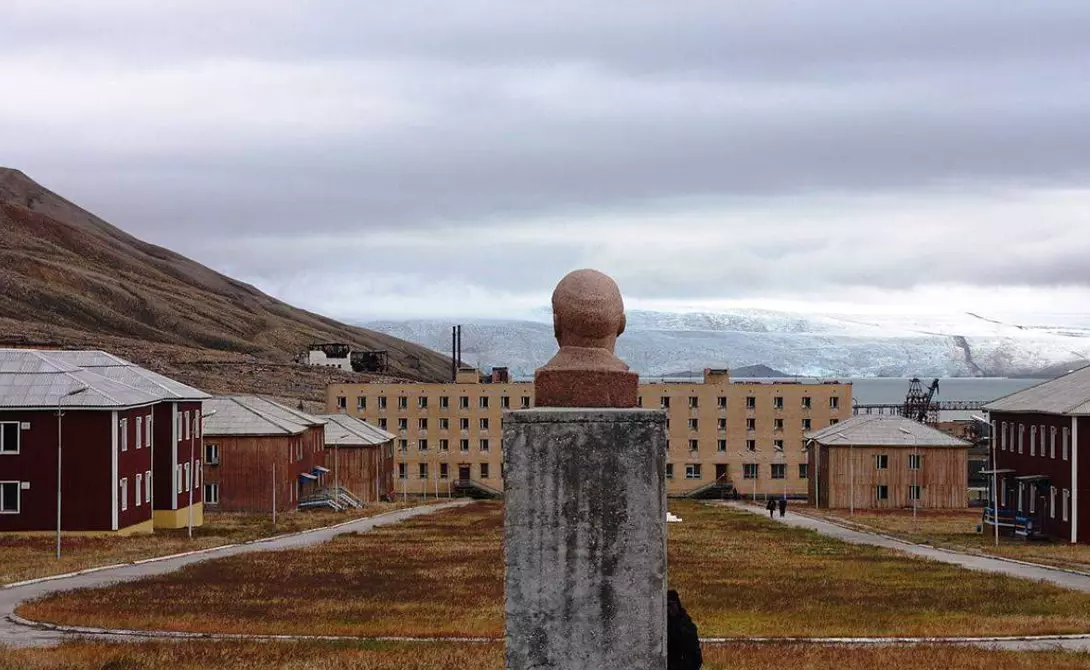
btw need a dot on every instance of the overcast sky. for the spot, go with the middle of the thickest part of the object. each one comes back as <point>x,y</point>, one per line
<point>455,159</point>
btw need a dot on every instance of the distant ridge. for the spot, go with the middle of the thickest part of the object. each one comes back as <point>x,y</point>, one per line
<point>69,279</point>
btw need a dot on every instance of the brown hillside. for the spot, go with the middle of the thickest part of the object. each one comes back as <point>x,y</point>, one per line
<point>69,279</point>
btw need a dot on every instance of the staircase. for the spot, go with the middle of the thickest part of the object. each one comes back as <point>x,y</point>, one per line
<point>475,489</point>
<point>335,498</point>
<point>718,489</point>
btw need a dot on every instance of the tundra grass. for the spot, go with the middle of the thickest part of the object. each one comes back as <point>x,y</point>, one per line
<point>390,656</point>
<point>25,557</point>
<point>957,529</point>
<point>442,575</point>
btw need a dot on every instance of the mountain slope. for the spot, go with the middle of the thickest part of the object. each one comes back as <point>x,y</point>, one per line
<point>68,278</point>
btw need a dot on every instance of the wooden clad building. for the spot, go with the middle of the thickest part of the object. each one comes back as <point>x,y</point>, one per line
<point>361,457</point>
<point>1041,440</point>
<point>259,453</point>
<point>885,462</point>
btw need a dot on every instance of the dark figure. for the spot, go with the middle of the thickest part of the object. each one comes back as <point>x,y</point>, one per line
<point>783,506</point>
<point>771,507</point>
<point>682,641</point>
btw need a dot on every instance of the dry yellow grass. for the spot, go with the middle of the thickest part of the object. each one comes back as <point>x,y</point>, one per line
<point>956,529</point>
<point>442,575</point>
<point>31,557</point>
<point>389,656</point>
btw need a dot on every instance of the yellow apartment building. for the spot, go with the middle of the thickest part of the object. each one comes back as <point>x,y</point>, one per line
<point>747,433</point>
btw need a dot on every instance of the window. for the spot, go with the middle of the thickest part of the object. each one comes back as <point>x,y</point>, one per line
<point>123,493</point>
<point>751,424</point>
<point>806,402</point>
<point>402,402</point>
<point>9,437</point>
<point>444,444</point>
<point>381,402</point>
<point>777,445</point>
<point>212,494</point>
<point>444,471</point>
<point>804,471</point>
<point>361,403</point>
<point>914,493</point>
<point>1033,440</point>
<point>484,471</point>
<point>777,424</point>
<point>1066,442</point>
<point>721,424</point>
<point>524,402</point>
<point>139,489</point>
<point>180,479</point>
<point>1003,438</point>
<point>185,424</point>
<point>505,402</point>
<point>382,423</point>
<point>139,433</point>
<point>881,492</point>
<point>750,470</point>
<point>1021,495</point>
<point>1021,437</point>
<point>9,497</point>
<point>422,423</point>
<point>1052,502</point>
<point>482,402</point>
<point>463,423</point>
<point>751,445</point>
<point>422,402</point>
<point>669,470</point>
<point>422,470</point>
<point>694,445</point>
<point>188,477</point>
<point>694,424</point>
<point>401,471</point>
<point>484,424</point>
<point>178,427</point>
<point>721,402</point>
<point>1033,499</point>
<point>342,402</point>
<point>665,402</point>
<point>463,402</point>
<point>444,423</point>
<point>721,446</point>
<point>403,445</point>
<point>402,423</point>
<point>833,422</point>
<point>123,434</point>
<point>147,431</point>
<point>1066,503</point>
<point>915,461</point>
<point>692,471</point>
<point>1052,443</point>
<point>806,424</point>
<point>197,425</point>
<point>463,446</point>
<point>694,402</point>
<point>777,402</point>
<point>751,402</point>
<point>881,461</point>
<point>779,471</point>
<point>422,444</point>
<point>147,486</point>
<point>444,402</point>
<point>483,445</point>
<point>639,401</point>
<point>834,403</point>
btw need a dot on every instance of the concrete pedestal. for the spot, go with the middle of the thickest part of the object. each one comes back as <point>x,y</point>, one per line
<point>585,539</point>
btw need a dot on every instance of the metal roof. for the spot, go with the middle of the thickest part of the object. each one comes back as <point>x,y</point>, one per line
<point>1068,395</point>
<point>348,431</point>
<point>32,379</point>
<point>884,431</point>
<point>120,370</point>
<point>254,415</point>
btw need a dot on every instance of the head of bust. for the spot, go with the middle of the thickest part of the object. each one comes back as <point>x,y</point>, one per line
<point>588,311</point>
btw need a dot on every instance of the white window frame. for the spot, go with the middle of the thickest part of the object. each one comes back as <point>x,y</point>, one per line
<point>212,493</point>
<point>1021,495</point>
<point>694,471</point>
<point>1066,443</point>
<point>18,486</point>
<point>179,479</point>
<point>1052,502</point>
<point>1033,440</point>
<point>1066,504</point>
<point>915,461</point>
<point>212,453</point>
<point>1003,437</point>
<point>178,427</point>
<point>196,425</point>
<point>123,433</point>
<point>914,492</point>
<point>147,486</point>
<point>147,431</point>
<point>669,470</point>
<point>881,461</point>
<point>139,489</point>
<point>1021,437</point>
<point>139,433</point>
<point>188,476</point>
<point>123,492</point>
<point>185,424</point>
<point>1052,443</point>
<point>880,488</point>
<point>18,438</point>
<point>197,475</point>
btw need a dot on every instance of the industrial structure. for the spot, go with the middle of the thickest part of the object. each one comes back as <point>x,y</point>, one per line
<point>724,436</point>
<point>343,357</point>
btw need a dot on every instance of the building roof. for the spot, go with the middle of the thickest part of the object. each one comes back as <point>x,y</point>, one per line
<point>884,431</point>
<point>31,379</point>
<point>1068,395</point>
<point>254,415</point>
<point>120,370</point>
<point>348,431</point>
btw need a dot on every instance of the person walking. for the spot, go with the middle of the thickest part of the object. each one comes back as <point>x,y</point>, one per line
<point>771,507</point>
<point>783,506</point>
<point>682,640</point>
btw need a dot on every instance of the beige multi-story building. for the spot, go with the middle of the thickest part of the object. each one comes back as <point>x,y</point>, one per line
<point>747,433</point>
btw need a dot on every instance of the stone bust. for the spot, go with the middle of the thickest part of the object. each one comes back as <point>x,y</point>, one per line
<point>588,316</point>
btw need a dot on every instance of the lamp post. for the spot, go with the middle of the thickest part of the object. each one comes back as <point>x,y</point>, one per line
<point>192,464</point>
<point>915,472</point>
<point>60,401</point>
<point>995,476</point>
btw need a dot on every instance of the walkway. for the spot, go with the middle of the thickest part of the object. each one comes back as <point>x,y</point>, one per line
<point>13,634</point>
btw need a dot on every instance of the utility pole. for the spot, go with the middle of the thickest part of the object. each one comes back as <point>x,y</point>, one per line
<point>60,400</point>
<point>274,492</point>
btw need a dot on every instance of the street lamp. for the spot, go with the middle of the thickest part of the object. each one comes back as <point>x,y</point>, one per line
<point>192,464</point>
<point>915,472</point>
<point>60,400</point>
<point>995,475</point>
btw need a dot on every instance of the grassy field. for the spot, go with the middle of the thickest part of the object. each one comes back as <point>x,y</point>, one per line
<point>442,575</point>
<point>956,529</point>
<point>389,656</point>
<point>30,557</point>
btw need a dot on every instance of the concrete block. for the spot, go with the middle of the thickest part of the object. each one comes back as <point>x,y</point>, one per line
<point>585,539</point>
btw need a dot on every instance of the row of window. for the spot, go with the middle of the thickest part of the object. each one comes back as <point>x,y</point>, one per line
<point>751,402</point>
<point>721,445</point>
<point>187,425</point>
<point>751,424</point>
<point>524,402</point>
<point>1026,498</point>
<point>1012,436</point>
<point>143,433</point>
<point>444,445</point>
<point>444,423</point>
<point>484,469</point>
<point>749,471</point>
<point>881,492</point>
<point>484,423</point>
<point>142,491</point>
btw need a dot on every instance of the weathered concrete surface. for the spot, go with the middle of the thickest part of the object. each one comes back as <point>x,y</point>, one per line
<point>585,539</point>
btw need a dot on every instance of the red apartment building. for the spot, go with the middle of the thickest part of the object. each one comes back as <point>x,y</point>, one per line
<point>1042,449</point>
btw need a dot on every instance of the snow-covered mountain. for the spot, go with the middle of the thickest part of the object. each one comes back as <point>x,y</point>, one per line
<point>819,345</point>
